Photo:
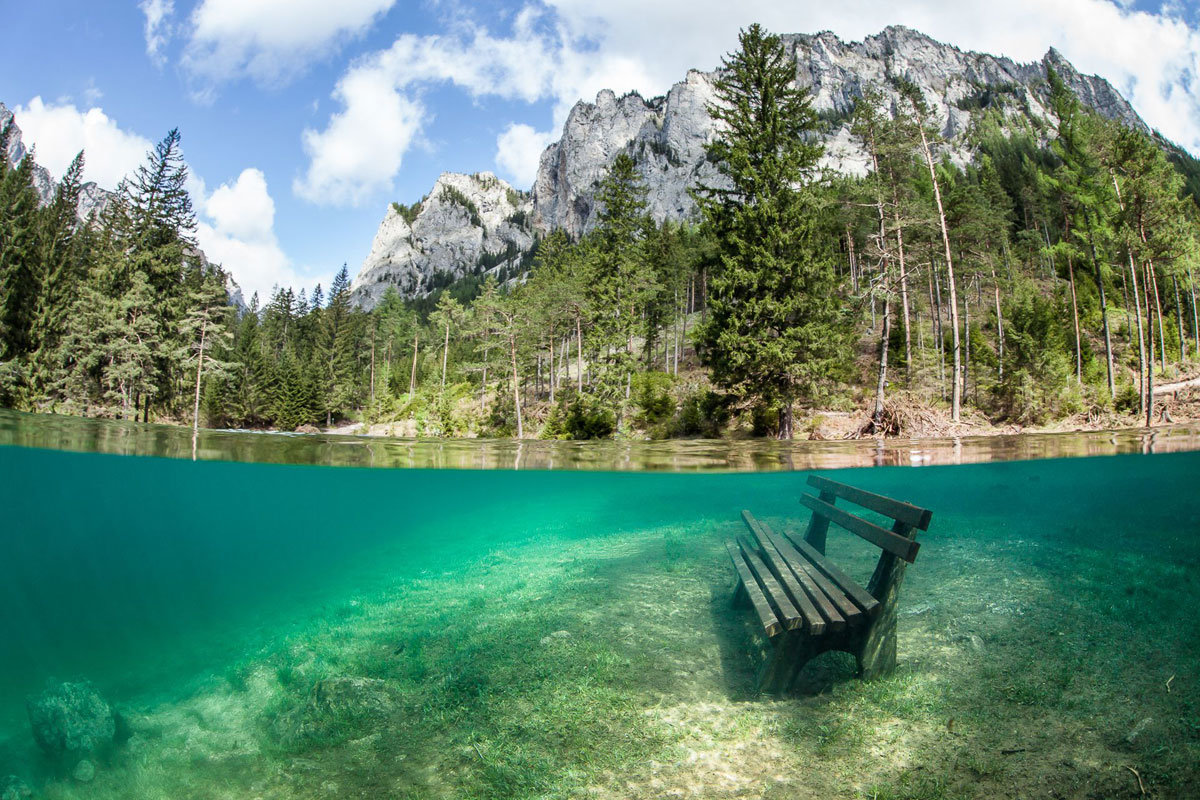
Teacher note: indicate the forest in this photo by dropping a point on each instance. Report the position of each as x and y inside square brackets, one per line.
[1051, 278]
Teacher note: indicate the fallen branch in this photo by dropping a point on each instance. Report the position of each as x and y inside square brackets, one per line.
[1141, 785]
[1172, 388]
[1169, 683]
[1010, 751]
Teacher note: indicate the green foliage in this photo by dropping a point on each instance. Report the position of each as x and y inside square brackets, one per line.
[702, 413]
[409, 213]
[776, 332]
[1037, 361]
[588, 419]
[652, 395]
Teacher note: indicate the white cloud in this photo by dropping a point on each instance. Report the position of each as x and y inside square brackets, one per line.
[237, 231]
[362, 148]
[518, 150]
[158, 29]
[271, 41]
[60, 131]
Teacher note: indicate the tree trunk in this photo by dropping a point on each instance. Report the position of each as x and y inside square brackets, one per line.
[853, 263]
[881, 385]
[551, 365]
[1075, 320]
[579, 346]
[1150, 360]
[512, 343]
[956, 395]
[1108, 356]
[1141, 333]
[967, 343]
[999, 330]
[1179, 321]
[1195, 317]
[372, 366]
[1162, 341]
[445, 354]
[412, 382]
[941, 334]
[483, 383]
[903, 296]
[199, 372]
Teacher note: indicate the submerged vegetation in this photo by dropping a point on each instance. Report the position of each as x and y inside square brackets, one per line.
[1043, 650]
[1053, 277]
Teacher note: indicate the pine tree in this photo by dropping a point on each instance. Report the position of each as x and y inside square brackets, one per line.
[65, 246]
[623, 278]
[206, 336]
[775, 333]
[335, 348]
[19, 255]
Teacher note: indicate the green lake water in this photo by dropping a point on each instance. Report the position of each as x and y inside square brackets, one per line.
[546, 633]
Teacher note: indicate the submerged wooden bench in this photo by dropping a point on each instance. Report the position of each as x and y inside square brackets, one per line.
[807, 605]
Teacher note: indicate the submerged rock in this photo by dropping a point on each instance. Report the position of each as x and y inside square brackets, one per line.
[84, 771]
[13, 788]
[71, 718]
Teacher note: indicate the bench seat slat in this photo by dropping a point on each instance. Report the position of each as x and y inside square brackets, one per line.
[845, 607]
[785, 609]
[814, 622]
[904, 512]
[857, 593]
[762, 608]
[898, 545]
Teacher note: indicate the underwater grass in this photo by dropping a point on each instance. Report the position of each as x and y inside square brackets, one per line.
[1035, 654]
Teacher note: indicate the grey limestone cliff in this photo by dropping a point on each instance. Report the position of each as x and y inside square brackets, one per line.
[468, 224]
[667, 137]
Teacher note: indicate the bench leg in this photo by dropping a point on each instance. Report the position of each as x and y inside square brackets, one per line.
[876, 653]
[741, 598]
[775, 676]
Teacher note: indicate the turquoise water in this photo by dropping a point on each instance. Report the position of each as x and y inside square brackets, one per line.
[1048, 595]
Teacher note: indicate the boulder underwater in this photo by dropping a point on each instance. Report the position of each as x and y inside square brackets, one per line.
[13, 788]
[73, 719]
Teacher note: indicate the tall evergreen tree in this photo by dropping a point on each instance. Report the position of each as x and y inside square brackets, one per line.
[775, 333]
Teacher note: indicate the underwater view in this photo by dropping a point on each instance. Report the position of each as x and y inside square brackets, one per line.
[215, 629]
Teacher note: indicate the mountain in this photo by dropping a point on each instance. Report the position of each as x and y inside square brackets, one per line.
[467, 224]
[92, 199]
[667, 137]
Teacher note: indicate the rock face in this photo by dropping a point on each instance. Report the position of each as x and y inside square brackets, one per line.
[92, 199]
[71, 719]
[667, 137]
[467, 225]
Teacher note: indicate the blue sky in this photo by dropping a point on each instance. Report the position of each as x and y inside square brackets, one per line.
[303, 119]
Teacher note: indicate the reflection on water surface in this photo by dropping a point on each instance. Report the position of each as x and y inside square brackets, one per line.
[678, 455]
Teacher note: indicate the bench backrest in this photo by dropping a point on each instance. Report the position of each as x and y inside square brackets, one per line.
[899, 541]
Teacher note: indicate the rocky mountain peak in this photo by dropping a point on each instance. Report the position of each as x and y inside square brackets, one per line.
[467, 224]
[667, 138]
